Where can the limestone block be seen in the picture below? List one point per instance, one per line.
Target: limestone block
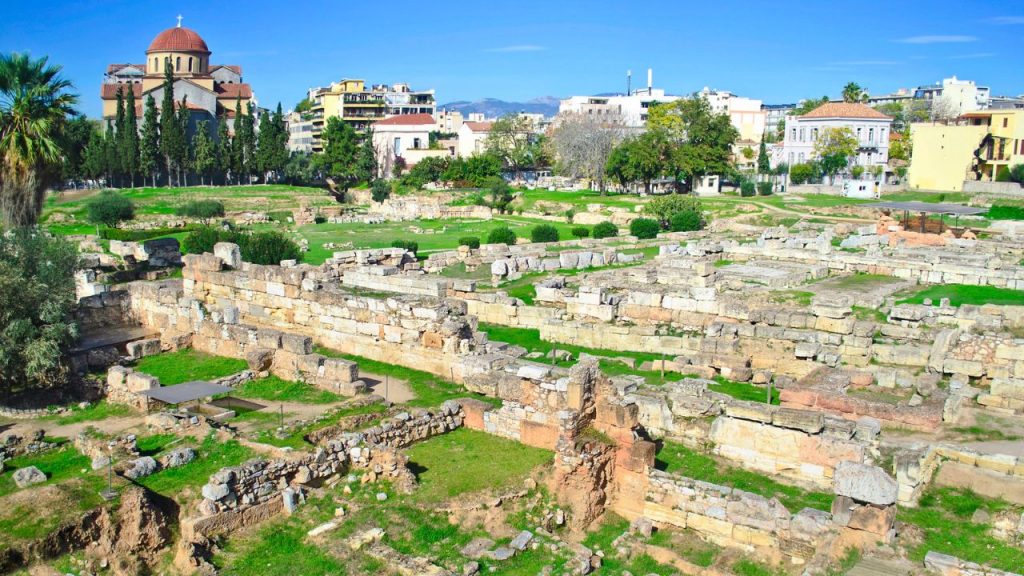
(807, 420)
(229, 253)
(137, 382)
(971, 368)
(755, 411)
(297, 344)
(864, 483)
(871, 518)
(142, 348)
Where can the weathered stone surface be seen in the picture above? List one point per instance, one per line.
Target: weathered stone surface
(178, 457)
(141, 467)
(27, 476)
(865, 483)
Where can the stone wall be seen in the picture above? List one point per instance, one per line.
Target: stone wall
(259, 481)
(946, 565)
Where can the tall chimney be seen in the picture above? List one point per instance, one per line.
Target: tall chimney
(650, 79)
(629, 82)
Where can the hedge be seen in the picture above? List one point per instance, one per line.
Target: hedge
(471, 241)
(644, 228)
(544, 233)
(605, 230)
(502, 235)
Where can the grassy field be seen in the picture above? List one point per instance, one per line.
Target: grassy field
(211, 455)
(187, 365)
(466, 461)
(274, 389)
(430, 390)
(96, 411)
(679, 459)
(960, 294)
(944, 517)
(602, 537)
(435, 235)
(74, 488)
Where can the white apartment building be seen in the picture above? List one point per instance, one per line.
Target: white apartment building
(870, 126)
(300, 133)
(448, 121)
(405, 136)
(631, 107)
(955, 97)
(472, 138)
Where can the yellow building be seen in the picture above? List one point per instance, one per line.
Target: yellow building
(976, 148)
(360, 106)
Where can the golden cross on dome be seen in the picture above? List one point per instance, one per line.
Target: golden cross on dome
(179, 20)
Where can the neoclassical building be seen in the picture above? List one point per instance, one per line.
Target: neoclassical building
(211, 89)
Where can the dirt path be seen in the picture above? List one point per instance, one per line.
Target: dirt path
(110, 426)
(391, 389)
(801, 214)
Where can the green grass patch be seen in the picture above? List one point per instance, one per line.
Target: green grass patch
(530, 339)
(722, 263)
(296, 437)
(283, 550)
(862, 281)
(275, 389)
(467, 461)
(155, 443)
(744, 390)
(870, 314)
(59, 465)
(96, 411)
(747, 567)
(944, 516)
(1004, 212)
(602, 537)
(983, 434)
(960, 294)
(211, 455)
(430, 390)
(688, 545)
(187, 365)
(798, 297)
(678, 459)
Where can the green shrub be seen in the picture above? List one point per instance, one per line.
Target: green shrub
(380, 190)
(502, 235)
(644, 228)
(37, 298)
(201, 209)
(1004, 212)
(410, 245)
(857, 171)
(110, 209)
(544, 233)
(663, 207)
(268, 248)
(764, 188)
(686, 221)
(569, 215)
(501, 194)
(605, 230)
(471, 241)
(580, 231)
(319, 219)
(747, 189)
(1003, 174)
(802, 173)
(257, 247)
(1017, 173)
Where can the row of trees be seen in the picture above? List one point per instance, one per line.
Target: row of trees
(166, 145)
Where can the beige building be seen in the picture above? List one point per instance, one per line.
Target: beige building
(405, 136)
(472, 138)
(976, 148)
(360, 107)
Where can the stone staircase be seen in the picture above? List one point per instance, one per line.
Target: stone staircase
(879, 567)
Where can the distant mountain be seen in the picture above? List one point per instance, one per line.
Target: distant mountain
(494, 108)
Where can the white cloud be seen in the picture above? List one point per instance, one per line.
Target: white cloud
(1006, 20)
(973, 56)
(518, 48)
(937, 39)
(865, 63)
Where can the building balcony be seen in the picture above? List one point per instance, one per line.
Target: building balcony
(362, 99)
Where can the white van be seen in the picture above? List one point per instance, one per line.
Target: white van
(862, 189)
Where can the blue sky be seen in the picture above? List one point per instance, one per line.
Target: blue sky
(517, 50)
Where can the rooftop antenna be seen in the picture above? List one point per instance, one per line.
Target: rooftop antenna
(629, 82)
(179, 20)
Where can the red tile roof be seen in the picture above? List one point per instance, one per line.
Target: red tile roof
(233, 91)
(407, 120)
(109, 91)
(479, 126)
(846, 110)
(178, 39)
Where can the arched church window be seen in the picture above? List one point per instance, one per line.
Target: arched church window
(177, 64)
(190, 64)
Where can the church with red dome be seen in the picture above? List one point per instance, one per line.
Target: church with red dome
(210, 90)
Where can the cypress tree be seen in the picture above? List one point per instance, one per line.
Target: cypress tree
(366, 160)
(249, 142)
(170, 133)
(182, 152)
(265, 140)
(204, 159)
(280, 155)
(111, 158)
(149, 147)
(237, 148)
(94, 156)
(130, 142)
(118, 143)
(223, 153)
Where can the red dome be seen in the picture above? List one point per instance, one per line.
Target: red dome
(178, 40)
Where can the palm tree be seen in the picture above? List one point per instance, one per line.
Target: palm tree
(852, 92)
(34, 103)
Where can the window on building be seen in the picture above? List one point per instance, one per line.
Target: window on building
(177, 64)
(1005, 122)
(792, 136)
(398, 146)
(801, 157)
(416, 143)
(802, 134)
(190, 64)
(790, 158)
(859, 139)
(814, 135)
